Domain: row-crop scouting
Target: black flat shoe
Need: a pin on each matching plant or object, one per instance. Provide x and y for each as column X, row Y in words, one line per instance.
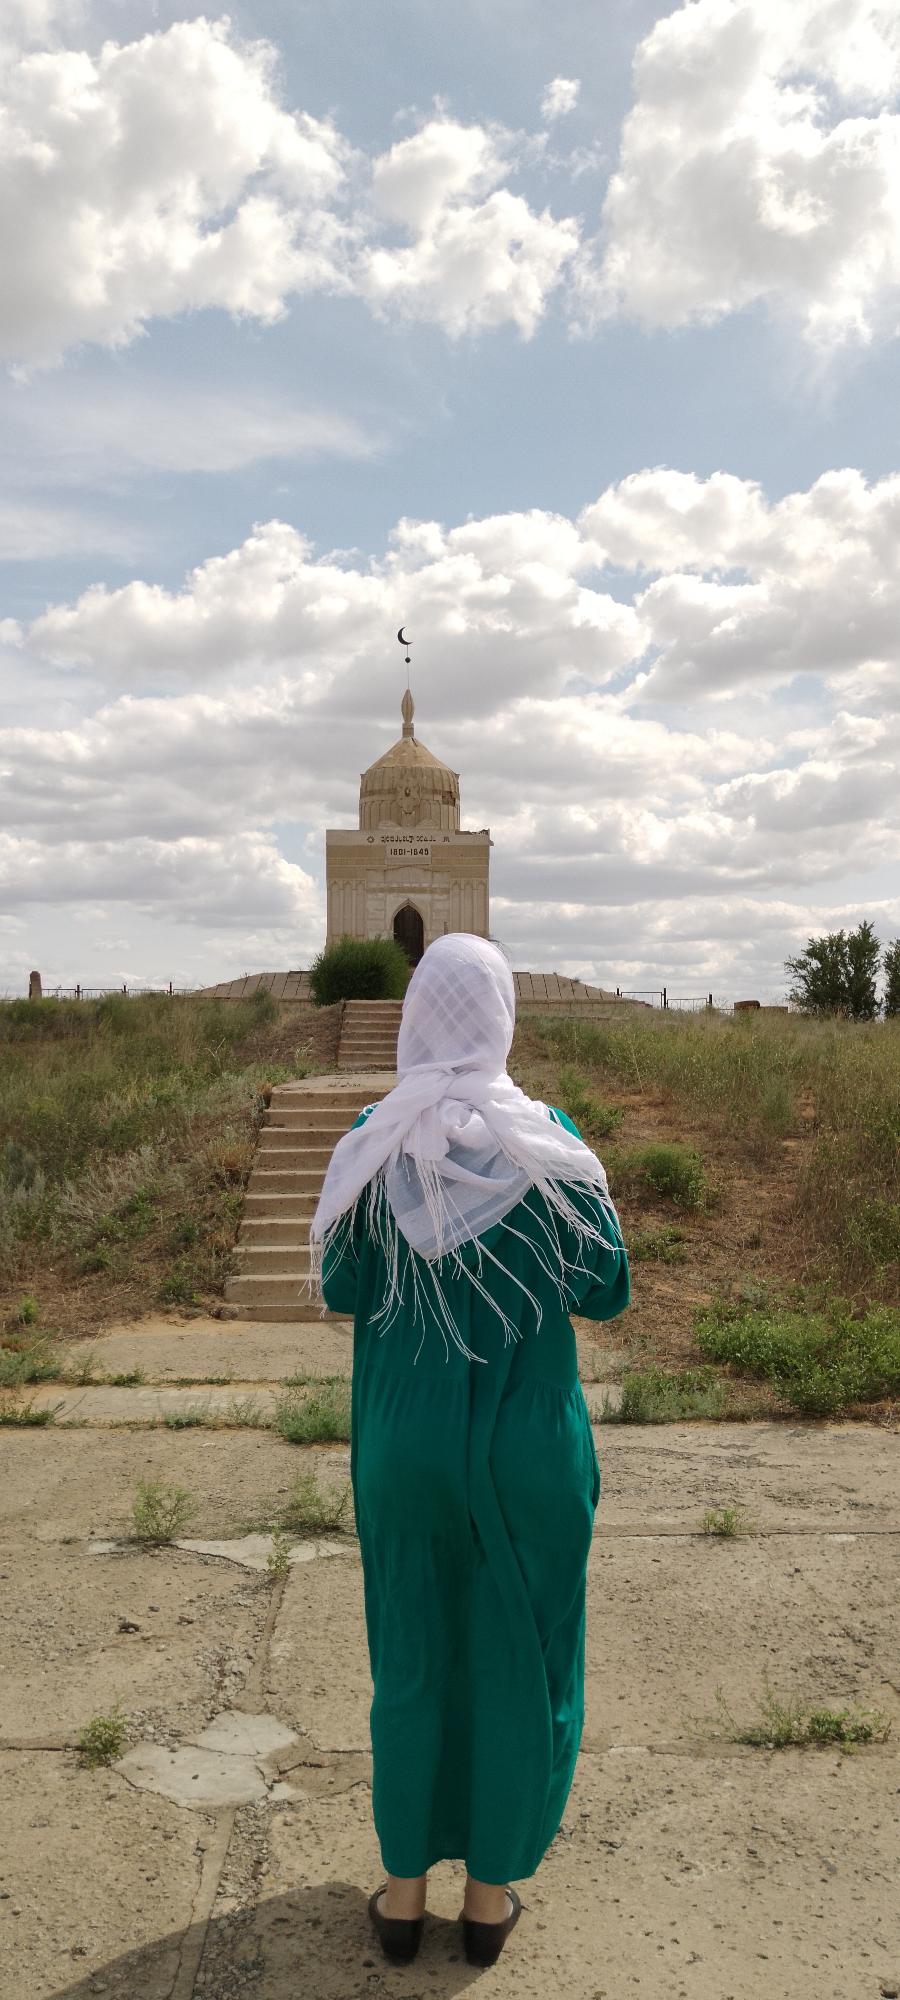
column 484, row 1942
column 400, row 1937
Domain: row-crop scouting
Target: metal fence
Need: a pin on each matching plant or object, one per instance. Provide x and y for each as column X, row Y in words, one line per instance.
column 100, row 992
column 661, row 997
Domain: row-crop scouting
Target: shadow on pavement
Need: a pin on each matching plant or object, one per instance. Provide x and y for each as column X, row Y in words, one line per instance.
column 315, row 1941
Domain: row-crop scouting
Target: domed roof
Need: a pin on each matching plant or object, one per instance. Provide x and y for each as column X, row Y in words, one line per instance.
column 408, row 785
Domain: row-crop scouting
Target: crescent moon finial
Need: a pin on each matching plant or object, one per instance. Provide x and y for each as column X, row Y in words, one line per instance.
column 401, row 635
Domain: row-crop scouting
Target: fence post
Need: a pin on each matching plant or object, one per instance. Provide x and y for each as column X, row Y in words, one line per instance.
column 709, row 1001
column 78, row 990
column 664, row 998
column 170, row 989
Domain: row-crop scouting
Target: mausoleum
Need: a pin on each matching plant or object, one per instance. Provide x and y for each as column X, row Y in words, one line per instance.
column 408, row 871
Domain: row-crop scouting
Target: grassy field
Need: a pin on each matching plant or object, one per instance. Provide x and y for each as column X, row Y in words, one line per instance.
column 755, row 1162
column 127, row 1129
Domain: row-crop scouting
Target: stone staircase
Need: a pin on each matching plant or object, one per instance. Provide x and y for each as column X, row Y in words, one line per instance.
column 369, row 1030
column 301, row 1128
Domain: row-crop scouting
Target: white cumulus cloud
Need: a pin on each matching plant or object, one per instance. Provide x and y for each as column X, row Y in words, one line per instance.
column 479, row 256
column 159, row 176
column 560, row 97
column 760, row 162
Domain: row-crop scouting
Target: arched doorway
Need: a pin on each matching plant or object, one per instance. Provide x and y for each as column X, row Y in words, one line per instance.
column 409, row 931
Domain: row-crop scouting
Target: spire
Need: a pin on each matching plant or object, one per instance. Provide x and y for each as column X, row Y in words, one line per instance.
column 407, row 710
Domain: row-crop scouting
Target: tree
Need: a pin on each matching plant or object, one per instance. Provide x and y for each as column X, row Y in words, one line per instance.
column 863, row 954
column 836, row 974
column 890, row 966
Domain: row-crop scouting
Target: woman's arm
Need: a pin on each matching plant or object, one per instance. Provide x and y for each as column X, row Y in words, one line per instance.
column 340, row 1256
column 340, row 1272
column 599, row 1282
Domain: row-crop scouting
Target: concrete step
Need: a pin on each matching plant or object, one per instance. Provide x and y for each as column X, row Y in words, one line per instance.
column 303, row 1311
column 276, row 1230
column 273, row 1141
column 352, row 1008
column 282, row 1289
column 284, row 1207
column 369, row 1041
column 285, row 1178
column 271, row 1260
column 322, row 1133
column 369, row 1053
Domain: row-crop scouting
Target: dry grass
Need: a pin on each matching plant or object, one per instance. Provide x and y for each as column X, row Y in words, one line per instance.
column 127, row 1129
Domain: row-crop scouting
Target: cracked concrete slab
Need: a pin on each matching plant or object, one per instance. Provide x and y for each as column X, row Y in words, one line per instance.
column 231, row 1763
column 248, row 1551
column 158, row 1634
column 841, row 1477
column 246, row 1351
column 254, row 1551
column 701, row 1870
column 318, row 1669
column 93, row 1877
column 818, row 1619
column 718, row 1880
column 239, row 1404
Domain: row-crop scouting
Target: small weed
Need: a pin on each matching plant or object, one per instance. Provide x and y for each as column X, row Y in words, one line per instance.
column 244, row 1413
column 317, row 1419
column 131, row 1379
column 278, row 1558
column 26, row 1312
column 160, row 1512
column 653, row 1397
column 93, row 1261
column 34, row 1363
column 83, row 1371
column 659, row 1246
column 594, row 1118
column 306, row 1381
column 179, row 1286
column 726, row 1522
column 674, row 1171
column 793, row 1724
column 16, row 1413
column 311, row 1509
column 184, row 1235
column 102, row 1739
column 191, row 1416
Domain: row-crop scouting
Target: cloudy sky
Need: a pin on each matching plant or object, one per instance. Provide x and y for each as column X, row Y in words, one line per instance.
column 570, row 337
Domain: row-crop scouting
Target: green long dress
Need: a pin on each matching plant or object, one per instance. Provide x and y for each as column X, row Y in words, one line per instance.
column 475, row 1486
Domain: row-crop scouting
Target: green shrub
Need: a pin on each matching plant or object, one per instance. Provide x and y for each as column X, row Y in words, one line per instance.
column 359, row 969
column 818, row 1362
column 103, row 1739
column 319, row 1419
column 594, row 1119
column 674, row 1171
column 653, row 1397
column 659, row 1246
column 311, row 1509
column 34, row 1363
column 17, row 1413
column 725, row 1522
column 160, row 1512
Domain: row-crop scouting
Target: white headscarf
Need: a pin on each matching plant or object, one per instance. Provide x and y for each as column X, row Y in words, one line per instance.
column 456, row 1144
